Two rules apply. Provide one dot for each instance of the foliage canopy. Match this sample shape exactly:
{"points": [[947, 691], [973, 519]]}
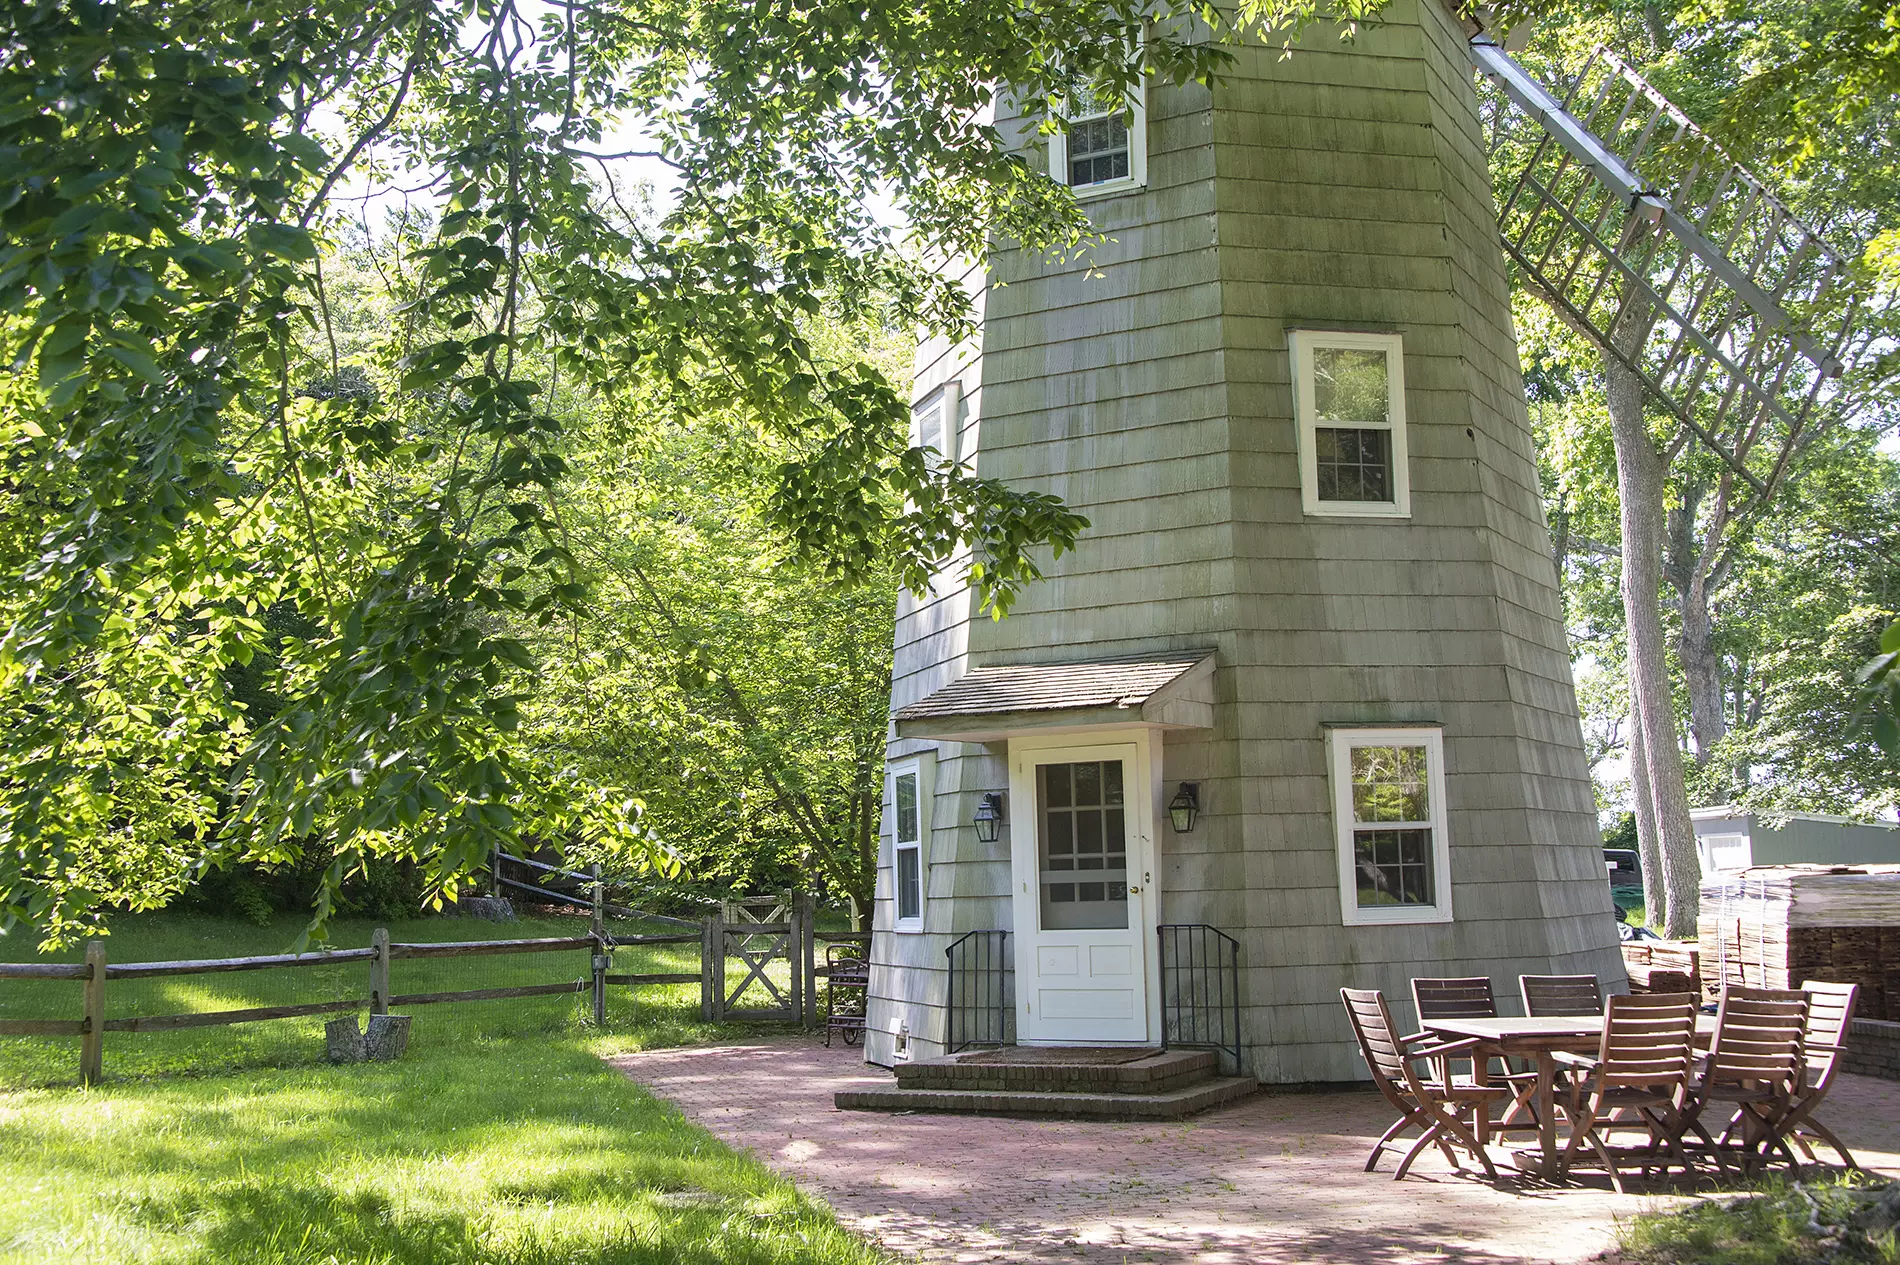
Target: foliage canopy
{"points": [[197, 482]]}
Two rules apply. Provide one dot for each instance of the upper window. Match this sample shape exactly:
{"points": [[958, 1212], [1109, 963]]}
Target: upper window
{"points": [[1389, 812], [1349, 397], [908, 808], [1104, 147]]}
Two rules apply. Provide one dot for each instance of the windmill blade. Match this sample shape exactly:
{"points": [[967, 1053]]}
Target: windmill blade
{"points": [[1649, 239]]}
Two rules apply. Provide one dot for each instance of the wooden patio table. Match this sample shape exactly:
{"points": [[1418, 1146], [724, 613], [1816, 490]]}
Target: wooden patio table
{"points": [[1537, 1040]]}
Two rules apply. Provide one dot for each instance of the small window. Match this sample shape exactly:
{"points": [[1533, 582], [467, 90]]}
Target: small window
{"points": [[1389, 810], [1349, 399], [1104, 147], [908, 826], [933, 423]]}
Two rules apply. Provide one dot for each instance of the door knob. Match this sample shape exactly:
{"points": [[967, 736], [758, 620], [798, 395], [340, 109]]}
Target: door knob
{"points": [[1134, 891]]}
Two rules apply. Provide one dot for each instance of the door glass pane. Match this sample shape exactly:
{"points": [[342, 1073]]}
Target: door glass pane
{"points": [[1082, 846]]}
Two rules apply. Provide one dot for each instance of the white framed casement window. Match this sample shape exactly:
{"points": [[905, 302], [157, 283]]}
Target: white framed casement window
{"points": [[933, 422], [1349, 400], [1389, 821], [911, 792], [1101, 148]]}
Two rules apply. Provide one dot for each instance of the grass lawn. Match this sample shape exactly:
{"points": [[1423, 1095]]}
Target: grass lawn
{"points": [[666, 1015], [500, 1139], [1774, 1226]]}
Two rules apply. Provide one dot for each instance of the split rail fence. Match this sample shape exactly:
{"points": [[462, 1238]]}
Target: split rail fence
{"points": [[733, 937]]}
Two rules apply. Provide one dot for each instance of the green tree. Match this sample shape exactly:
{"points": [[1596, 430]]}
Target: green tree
{"points": [[175, 178]]}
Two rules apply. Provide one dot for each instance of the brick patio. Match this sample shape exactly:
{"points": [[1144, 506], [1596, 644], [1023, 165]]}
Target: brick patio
{"points": [[1270, 1179]]}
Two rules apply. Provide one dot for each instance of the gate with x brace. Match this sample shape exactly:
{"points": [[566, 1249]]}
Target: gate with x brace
{"points": [[765, 944]]}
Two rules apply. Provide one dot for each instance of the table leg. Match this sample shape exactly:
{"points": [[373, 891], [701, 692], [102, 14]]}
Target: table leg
{"points": [[1481, 1116], [1547, 1111]]}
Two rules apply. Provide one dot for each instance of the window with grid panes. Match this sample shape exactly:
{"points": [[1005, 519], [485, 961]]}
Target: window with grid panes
{"points": [[1349, 397], [1388, 804], [1102, 148]]}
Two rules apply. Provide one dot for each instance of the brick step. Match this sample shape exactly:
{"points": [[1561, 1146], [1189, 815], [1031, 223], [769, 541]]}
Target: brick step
{"points": [[1171, 1105], [1074, 1070]]}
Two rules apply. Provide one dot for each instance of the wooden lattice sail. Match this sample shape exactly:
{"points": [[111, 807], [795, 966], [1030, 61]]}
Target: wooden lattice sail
{"points": [[1649, 239]]}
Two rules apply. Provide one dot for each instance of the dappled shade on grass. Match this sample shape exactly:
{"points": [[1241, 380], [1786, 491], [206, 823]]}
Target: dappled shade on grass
{"points": [[517, 1152]]}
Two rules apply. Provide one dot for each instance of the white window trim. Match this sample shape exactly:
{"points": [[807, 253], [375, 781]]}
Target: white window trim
{"points": [[946, 401], [1301, 344], [1339, 744], [924, 766], [1136, 107]]}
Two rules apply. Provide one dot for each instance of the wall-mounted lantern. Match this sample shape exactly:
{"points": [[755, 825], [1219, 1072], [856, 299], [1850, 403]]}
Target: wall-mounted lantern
{"points": [[1185, 807], [989, 816]]}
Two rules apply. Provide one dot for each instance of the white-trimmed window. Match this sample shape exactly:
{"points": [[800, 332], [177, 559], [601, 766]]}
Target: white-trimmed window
{"points": [[1103, 146], [1349, 398], [933, 421], [910, 827], [1389, 814]]}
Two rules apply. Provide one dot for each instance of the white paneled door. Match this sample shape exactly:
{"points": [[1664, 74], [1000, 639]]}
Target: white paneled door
{"points": [[1082, 856]]}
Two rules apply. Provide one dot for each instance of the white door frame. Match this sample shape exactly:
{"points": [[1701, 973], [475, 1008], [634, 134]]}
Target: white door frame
{"points": [[1142, 799]]}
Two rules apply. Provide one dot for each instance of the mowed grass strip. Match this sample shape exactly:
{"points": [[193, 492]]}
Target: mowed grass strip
{"points": [[519, 1152], [654, 1015]]}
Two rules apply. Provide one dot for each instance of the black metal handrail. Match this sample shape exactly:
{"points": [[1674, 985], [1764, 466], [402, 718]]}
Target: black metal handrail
{"points": [[981, 1010], [1200, 988]]}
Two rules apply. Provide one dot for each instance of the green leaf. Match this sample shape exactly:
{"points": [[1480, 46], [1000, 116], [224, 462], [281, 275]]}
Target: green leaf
{"points": [[137, 361]]}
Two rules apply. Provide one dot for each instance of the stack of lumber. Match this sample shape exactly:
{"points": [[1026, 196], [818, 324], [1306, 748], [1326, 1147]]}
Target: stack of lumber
{"points": [[1775, 925], [1663, 966]]}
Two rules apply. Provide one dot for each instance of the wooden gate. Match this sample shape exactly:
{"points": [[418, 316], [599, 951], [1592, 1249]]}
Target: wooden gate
{"points": [[746, 938]]}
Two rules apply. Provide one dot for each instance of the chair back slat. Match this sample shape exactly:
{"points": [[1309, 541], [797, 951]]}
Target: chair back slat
{"points": [[1466, 998], [1759, 1037], [1648, 1042], [1560, 996], [1830, 1010], [1372, 1025]]}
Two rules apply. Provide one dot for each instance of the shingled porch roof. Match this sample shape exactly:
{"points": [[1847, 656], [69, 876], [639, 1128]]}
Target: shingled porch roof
{"points": [[1171, 691]]}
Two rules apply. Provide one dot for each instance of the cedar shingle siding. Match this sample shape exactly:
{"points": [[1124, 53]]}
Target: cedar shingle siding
{"points": [[1344, 188]]}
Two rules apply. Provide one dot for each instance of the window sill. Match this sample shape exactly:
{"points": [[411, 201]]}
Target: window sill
{"points": [[1106, 189], [908, 927], [1370, 509], [1396, 916]]}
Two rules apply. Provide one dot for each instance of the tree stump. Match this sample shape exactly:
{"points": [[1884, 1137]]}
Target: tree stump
{"points": [[345, 1040], [387, 1038], [492, 908]]}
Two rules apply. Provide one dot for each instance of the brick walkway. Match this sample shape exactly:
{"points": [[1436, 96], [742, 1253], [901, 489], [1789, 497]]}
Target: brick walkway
{"points": [[1269, 1179]]}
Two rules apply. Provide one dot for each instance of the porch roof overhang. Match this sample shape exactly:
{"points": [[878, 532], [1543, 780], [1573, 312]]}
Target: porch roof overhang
{"points": [[990, 704]]}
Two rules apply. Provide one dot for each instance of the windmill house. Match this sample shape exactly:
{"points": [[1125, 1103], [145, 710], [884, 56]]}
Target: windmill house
{"points": [[1298, 713]]}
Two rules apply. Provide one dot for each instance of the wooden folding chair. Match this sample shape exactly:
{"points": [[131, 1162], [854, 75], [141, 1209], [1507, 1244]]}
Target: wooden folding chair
{"points": [[1830, 1010], [1470, 997], [1755, 1065], [1560, 996], [1641, 1067], [1428, 1104]]}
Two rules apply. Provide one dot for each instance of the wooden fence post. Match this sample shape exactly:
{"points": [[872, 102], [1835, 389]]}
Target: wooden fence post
{"points": [[718, 962], [379, 972], [808, 952], [92, 1042], [600, 952], [706, 969], [795, 953]]}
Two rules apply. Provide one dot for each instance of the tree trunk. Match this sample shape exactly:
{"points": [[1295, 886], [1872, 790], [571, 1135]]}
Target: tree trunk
{"points": [[1688, 570], [1648, 846], [1639, 479]]}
